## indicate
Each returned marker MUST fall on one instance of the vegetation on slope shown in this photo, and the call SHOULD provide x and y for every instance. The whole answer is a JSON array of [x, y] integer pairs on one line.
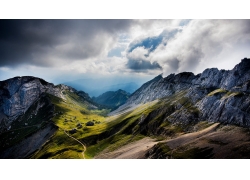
[[70, 114], [107, 134]]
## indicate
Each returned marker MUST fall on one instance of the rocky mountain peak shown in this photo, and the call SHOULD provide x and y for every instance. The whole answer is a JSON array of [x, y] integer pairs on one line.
[[19, 93], [218, 95]]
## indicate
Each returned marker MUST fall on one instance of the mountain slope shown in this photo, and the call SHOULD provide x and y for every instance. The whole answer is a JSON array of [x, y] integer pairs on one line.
[[219, 95], [184, 106], [179, 116], [112, 99], [29, 108]]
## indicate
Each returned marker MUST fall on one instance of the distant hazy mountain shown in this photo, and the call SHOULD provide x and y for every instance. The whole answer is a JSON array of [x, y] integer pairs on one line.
[[95, 87], [112, 99]]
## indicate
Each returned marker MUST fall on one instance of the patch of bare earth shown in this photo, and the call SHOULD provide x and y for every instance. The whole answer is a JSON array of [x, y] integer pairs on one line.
[[134, 150], [225, 141], [187, 138]]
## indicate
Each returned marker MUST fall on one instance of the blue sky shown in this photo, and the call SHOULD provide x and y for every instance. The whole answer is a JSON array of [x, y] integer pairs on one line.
[[125, 50]]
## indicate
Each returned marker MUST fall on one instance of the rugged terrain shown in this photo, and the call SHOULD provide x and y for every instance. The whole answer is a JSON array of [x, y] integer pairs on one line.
[[217, 95], [187, 104], [30, 108], [180, 116]]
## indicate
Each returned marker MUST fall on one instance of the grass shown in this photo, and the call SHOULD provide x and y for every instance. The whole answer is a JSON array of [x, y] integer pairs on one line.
[[72, 112], [60, 146], [217, 91], [227, 94], [106, 132], [68, 114], [233, 94]]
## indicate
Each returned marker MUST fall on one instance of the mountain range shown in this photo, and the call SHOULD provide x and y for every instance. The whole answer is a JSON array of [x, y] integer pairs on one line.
[[180, 116], [90, 86]]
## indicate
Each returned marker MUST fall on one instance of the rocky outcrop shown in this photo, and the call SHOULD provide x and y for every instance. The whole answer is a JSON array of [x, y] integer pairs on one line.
[[214, 95], [230, 107], [26, 112], [157, 88], [160, 87], [19, 93]]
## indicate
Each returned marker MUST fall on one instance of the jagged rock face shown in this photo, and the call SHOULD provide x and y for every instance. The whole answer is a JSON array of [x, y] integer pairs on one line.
[[238, 75], [19, 93], [232, 109], [231, 105], [21, 97], [160, 87], [210, 78]]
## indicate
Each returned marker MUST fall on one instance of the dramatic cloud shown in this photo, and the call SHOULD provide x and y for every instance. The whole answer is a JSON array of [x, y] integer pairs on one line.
[[138, 60], [142, 65], [130, 48], [204, 43], [139, 50], [55, 42], [151, 43]]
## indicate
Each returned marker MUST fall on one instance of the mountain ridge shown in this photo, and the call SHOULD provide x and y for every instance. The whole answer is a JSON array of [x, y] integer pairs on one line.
[[23, 91], [177, 109], [197, 87]]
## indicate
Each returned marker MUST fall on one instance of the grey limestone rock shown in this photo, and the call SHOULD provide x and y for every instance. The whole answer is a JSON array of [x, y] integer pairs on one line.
[[229, 105], [19, 93]]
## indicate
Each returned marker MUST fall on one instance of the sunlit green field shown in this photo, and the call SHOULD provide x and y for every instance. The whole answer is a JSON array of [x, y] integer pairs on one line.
[[72, 113], [107, 133]]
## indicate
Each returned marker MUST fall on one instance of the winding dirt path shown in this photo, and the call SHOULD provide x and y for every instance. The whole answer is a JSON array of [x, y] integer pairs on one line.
[[84, 147]]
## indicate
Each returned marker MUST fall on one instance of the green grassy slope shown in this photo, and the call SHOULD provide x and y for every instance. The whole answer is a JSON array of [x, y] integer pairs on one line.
[[109, 133]]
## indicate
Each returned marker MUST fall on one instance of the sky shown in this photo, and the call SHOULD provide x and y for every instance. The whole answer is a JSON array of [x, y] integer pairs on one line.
[[222, 44], [127, 50]]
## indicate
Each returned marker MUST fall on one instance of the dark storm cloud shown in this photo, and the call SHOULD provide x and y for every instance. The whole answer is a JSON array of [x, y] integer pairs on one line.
[[151, 43], [41, 42], [138, 51], [148, 43], [142, 65]]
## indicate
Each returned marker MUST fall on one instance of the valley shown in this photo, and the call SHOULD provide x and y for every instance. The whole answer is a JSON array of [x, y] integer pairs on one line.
[[179, 116]]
